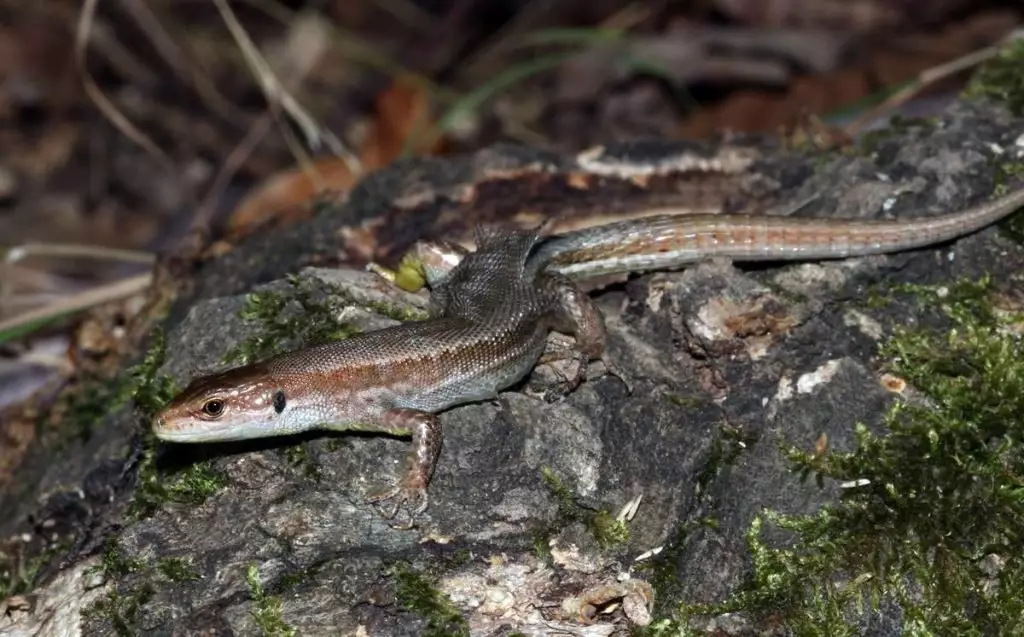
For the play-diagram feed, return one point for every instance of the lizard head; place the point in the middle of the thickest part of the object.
(245, 402)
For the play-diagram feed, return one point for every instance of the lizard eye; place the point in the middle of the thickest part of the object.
(213, 407)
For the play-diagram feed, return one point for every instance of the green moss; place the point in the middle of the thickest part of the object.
(305, 314)
(898, 126)
(18, 574)
(177, 569)
(150, 392)
(878, 295)
(460, 557)
(393, 310)
(289, 320)
(541, 540)
(726, 446)
(289, 581)
(607, 530)
(937, 525)
(689, 402)
(1000, 78)
(190, 486)
(120, 609)
(1007, 171)
(85, 406)
(298, 457)
(95, 397)
(418, 594)
(1010, 172)
(115, 563)
(267, 611)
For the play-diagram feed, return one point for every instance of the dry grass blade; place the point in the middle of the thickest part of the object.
(923, 80)
(61, 251)
(72, 250)
(277, 94)
(107, 107)
(30, 321)
(172, 53)
(408, 12)
(241, 152)
(519, 31)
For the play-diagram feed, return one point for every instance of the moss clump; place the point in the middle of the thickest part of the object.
(191, 486)
(1010, 172)
(393, 310)
(267, 608)
(305, 314)
(289, 581)
(934, 520)
(18, 574)
(115, 563)
(95, 397)
(120, 609)
(286, 320)
(418, 594)
(177, 569)
(150, 392)
(725, 449)
(1000, 78)
(607, 530)
(298, 457)
(898, 125)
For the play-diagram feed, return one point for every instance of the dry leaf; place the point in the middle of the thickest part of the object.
(402, 116)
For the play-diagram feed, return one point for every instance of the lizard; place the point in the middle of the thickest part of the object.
(490, 314)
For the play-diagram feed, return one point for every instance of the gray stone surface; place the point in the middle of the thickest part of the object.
(724, 363)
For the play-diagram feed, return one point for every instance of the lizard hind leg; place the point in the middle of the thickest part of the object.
(577, 315)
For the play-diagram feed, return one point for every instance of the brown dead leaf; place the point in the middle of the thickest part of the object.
(39, 159)
(880, 64)
(402, 116)
(286, 196)
(856, 15)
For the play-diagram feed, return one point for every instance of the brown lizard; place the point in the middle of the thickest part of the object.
(491, 312)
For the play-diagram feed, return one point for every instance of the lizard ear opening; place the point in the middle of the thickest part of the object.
(279, 401)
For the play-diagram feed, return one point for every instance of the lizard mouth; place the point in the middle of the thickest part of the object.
(186, 433)
(172, 433)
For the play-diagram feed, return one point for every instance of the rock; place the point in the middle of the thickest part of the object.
(726, 365)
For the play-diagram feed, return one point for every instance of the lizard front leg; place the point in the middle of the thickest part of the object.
(411, 488)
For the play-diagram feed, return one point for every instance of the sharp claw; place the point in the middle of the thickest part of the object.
(402, 497)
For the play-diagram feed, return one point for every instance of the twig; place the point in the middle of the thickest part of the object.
(107, 107)
(73, 250)
(237, 157)
(14, 327)
(172, 53)
(408, 12)
(277, 94)
(925, 78)
(63, 250)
